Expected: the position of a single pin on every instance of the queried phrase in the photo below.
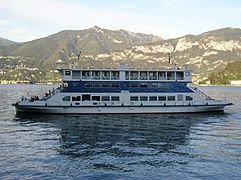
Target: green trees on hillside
(231, 72)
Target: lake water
(189, 146)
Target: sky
(25, 20)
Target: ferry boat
(123, 91)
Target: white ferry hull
(120, 109)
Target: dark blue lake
(183, 146)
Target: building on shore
(235, 82)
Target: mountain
(67, 44)
(6, 42)
(205, 54)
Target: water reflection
(120, 142)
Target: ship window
(143, 75)
(105, 85)
(143, 98)
(162, 75)
(115, 75)
(115, 98)
(170, 76)
(67, 73)
(95, 98)
(180, 97)
(162, 98)
(105, 98)
(96, 74)
(134, 75)
(66, 98)
(153, 85)
(89, 85)
(152, 75)
(171, 98)
(180, 75)
(105, 74)
(127, 75)
(76, 98)
(115, 85)
(134, 98)
(164, 85)
(86, 74)
(152, 98)
(143, 85)
(96, 85)
(189, 98)
(85, 97)
(76, 74)
(134, 85)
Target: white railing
(195, 89)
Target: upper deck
(126, 74)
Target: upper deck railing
(126, 74)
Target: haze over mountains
(205, 53)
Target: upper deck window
(154, 85)
(143, 85)
(115, 85)
(162, 75)
(86, 74)
(75, 74)
(89, 85)
(96, 74)
(115, 75)
(105, 85)
(105, 74)
(143, 75)
(134, 75)
(134, 85)
(127, 75)
(180, 75)
(67, 73)
(96, 85)
(170, 76)
(152, 75)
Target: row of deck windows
(117, 98)
(158, 98)
(93, 98)
(129, 75)
(132, 85)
